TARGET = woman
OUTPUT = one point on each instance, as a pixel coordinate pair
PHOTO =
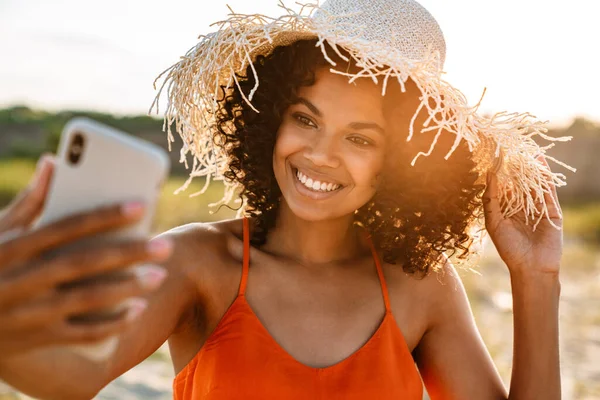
(338, 280)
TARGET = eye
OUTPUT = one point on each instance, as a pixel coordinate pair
(360, 141)
(304, 121)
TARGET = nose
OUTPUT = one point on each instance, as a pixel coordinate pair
(322, 152)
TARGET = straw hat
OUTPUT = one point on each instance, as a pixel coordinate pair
(390, 41)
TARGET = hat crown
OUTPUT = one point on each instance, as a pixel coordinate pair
(401, 25)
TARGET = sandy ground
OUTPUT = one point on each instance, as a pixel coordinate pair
(150, 380)
(491, 301)
(579, 318)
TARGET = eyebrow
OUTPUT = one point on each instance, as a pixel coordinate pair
(310, 106)
(368, 125)
(354, 125)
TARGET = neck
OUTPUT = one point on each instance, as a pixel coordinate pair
(314, 242)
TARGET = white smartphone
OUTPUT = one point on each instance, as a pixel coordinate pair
(98, 165)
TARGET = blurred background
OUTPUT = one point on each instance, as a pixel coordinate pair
(66, 58)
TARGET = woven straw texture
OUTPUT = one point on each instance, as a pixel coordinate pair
(390, 41)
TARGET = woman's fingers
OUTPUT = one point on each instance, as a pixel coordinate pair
(55, 275)
(60, 304)
(45, 274)
(492, 206)
(20, 248)
(28, 203)
(93, 333)
(62, 332)
(105, 296)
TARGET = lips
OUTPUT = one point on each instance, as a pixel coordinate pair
(315, 175)
(315, 186)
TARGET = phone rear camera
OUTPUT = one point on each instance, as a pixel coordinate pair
(76, 148)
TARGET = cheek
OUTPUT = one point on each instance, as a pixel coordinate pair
(365, 168)
(288, 141)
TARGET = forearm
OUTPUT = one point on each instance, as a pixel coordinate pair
(53, 374)
(536, 360)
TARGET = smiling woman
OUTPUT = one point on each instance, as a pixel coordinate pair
(360, 172)
(326, 134)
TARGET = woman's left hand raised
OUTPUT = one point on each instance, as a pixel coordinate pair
(522, 249)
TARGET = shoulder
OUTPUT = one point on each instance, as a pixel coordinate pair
(443, 294)
(207, 260)
(446, 294)
(204, 247)
(448, 315)
(199, 232)
(419, 303)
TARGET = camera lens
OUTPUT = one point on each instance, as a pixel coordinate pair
(76, 148)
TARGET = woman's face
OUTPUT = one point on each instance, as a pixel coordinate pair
(330, 147)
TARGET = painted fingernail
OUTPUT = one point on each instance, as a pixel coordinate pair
(43, 161)
(133, 209)
(150, 276)
(41, 167)
(159, 248)
(135, 308)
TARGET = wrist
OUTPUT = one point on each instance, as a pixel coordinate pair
(529, 271)
(528, 278)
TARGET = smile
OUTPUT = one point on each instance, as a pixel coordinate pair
(315, 185)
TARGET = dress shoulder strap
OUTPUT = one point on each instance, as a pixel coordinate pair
(384, 289)
(246, 259)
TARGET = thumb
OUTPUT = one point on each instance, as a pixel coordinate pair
(491, 202)
(27, 204)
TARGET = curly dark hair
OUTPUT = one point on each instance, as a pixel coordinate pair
(417, 213)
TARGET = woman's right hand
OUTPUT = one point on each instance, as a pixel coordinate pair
(34, 311)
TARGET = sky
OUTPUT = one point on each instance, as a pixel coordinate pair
(531, 55)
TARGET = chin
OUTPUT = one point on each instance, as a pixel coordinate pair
(313, 214)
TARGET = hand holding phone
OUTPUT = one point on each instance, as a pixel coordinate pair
(53, 285)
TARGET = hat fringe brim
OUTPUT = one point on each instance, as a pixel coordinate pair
(502, 143)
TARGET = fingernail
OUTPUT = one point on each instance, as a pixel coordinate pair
(135, 308)
(41, 167)
(42, 161)
(150, 276)
(159, 248)
(133, 209)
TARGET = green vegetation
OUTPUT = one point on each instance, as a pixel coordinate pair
(583, 221)
(174, 210)
(48, 120)
(51, 125)
(14, 176)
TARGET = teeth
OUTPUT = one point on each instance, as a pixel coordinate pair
(316, 185)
